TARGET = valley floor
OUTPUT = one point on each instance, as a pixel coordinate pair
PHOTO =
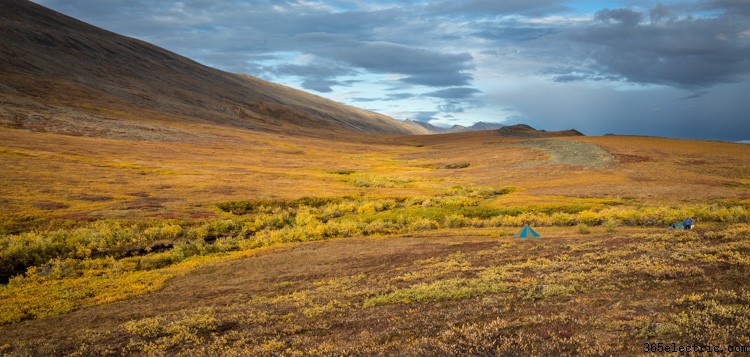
(447, 292)
(239, 242)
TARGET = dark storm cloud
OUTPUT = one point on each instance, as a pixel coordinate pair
(717, 114)
(687, 52)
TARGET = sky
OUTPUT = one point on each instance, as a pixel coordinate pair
(671, 68)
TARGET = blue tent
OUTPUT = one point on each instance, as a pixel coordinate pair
(677, 225)
(526, 232)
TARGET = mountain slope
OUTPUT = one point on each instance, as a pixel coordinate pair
(62, 75)
(456, 128)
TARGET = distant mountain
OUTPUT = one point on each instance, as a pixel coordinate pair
(484, 126)
(431, 128)
(62, 75)
(526, 131)
(456, 128)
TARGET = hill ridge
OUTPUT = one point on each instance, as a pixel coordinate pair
(526, 131)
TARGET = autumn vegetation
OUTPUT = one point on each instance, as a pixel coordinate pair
(93, 226)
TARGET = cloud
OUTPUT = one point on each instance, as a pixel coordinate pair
(453, 93)
(388, 97)
(399, 96)
(451, 106)
(493, 7)
(319, 84)
(694, 95)
(688, 52)
(661, 14)
(575, 74)
(233, 32)
(423, 116)
(420, 66)
(313, 69)
(514, 33)
(456, 99)
(318, 76)
(625, 17)
(730, 7)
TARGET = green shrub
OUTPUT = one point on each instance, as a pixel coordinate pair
(423, 224)
(611, 226)
(455, 221)
(582, 228)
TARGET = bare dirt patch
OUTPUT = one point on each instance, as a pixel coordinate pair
(569, 152)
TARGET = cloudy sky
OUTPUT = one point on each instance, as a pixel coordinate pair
(670, 68)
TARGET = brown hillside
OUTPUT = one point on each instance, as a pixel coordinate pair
(62, 75)
(525, 131)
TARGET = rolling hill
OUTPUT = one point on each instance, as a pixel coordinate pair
(526, 131)
(61, 75)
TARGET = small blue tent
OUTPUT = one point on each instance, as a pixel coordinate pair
(677, 225)
(526, 232)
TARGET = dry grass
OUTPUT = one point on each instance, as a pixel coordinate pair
(168, 179)
(445, 292)
(106, 221)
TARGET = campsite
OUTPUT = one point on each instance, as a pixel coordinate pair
(152, 205)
